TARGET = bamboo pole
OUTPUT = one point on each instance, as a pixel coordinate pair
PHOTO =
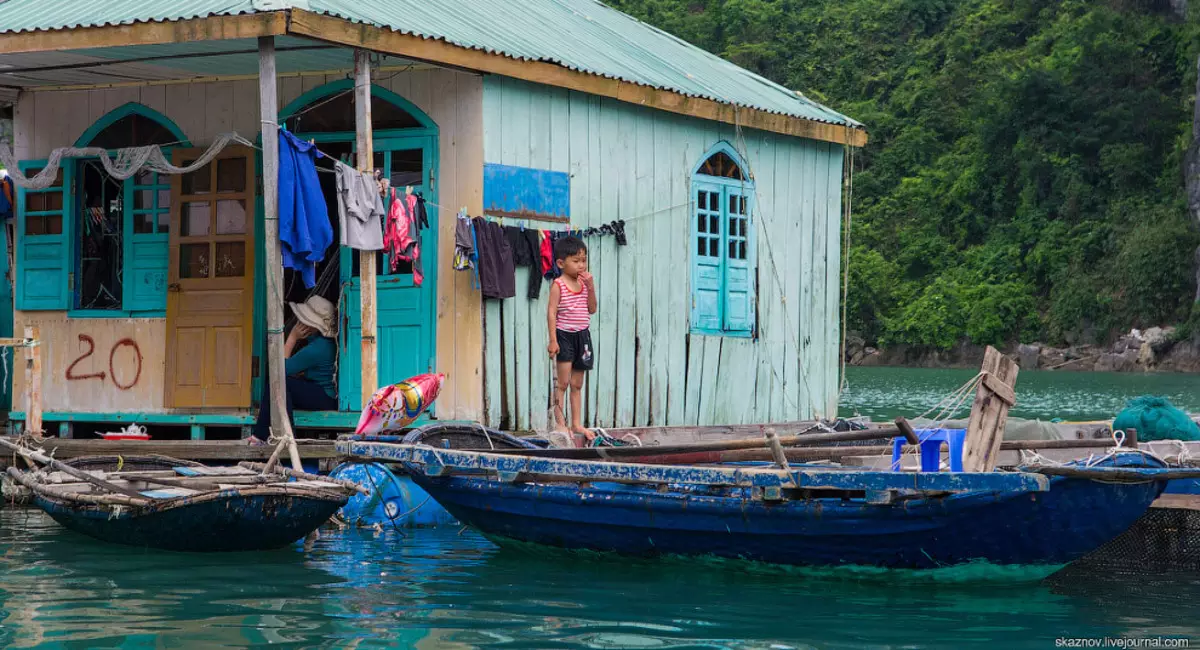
(33, 382)
(98, 499)
(366, 259)
(723, 445)
(652, 455)
(77, 473)
(269, 110)
(309, 477)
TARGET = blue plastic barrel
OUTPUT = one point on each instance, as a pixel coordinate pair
(394, 498)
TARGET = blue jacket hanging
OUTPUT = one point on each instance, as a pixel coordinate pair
(304, 228)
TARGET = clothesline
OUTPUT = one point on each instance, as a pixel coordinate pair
(568, 227)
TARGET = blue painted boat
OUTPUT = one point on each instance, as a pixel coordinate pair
(177, 505)
(807, 515)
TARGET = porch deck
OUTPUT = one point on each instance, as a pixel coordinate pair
(197, 422)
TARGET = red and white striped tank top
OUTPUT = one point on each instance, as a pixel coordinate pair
(573, 313)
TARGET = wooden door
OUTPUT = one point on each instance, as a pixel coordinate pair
(210, 291)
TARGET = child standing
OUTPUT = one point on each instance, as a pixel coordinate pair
(572, 302)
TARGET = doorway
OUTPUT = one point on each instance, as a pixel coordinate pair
(405, 152)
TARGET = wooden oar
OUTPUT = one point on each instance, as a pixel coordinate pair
(77, 473)
(723, 445)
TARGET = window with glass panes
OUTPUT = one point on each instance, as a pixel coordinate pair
(723, 276)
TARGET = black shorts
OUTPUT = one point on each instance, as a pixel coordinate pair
(576, 348)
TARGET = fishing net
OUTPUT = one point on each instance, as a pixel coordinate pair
(1155, 418)
(1164, 539)
(122, 164)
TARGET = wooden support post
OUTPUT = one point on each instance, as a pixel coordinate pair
(366, 265)
(64, 430)
(33, 382)
(993, 397)
(269, 111)
(197, 432)
(776, 449)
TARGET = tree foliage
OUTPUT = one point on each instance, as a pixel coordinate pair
(1024, 174)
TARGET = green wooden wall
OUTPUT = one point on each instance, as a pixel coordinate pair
(635, 164)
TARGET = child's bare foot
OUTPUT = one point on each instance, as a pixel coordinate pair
(586, 433)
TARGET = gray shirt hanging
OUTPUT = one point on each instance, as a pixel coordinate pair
(360, 209)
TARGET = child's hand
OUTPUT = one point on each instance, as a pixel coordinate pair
(552, 349)
(586, 278)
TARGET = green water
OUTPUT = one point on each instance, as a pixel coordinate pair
(439, 588)
(885, 393)
(450, 588)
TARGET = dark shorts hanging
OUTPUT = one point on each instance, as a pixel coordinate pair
(576, 348)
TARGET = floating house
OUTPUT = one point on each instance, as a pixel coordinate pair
(721, 307)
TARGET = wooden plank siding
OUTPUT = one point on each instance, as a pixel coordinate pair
(635, 164)
(46, 120)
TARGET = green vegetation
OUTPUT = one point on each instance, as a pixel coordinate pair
(1024, 178)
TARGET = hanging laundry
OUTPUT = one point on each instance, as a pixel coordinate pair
(304, 228)
(464, 242)
(7, 196)
(420, 214)
(526, 251)
(405, 233)
(400, 234)
(360, 208)
(497, 275)
(550, 270)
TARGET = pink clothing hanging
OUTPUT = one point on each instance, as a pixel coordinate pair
(400, 237)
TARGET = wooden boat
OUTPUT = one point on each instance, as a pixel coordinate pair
(802, 515)
(171, 504)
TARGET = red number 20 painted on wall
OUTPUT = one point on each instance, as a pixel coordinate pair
(91, 347)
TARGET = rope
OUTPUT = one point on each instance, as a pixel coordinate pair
(744, 152)
(847, 222)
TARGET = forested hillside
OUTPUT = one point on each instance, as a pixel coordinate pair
(1024, 178)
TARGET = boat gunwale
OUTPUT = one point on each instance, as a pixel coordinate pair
(435, 462)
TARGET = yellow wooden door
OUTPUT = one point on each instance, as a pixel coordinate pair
(210, 291)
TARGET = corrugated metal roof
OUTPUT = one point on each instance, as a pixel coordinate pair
(33, 15)
(582, 35)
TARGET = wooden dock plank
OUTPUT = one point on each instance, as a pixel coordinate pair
(199, 450)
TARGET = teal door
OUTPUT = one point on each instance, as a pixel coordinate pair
(405, 334)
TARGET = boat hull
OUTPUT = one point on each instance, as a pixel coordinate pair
(1039, 528)
(235, 523)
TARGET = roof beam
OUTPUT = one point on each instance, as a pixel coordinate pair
(213, 28)
(337, 30)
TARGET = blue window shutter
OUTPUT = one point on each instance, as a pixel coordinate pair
(146, 254)
(44, 259)
(739, 263)
(146, 273)
(707, 259)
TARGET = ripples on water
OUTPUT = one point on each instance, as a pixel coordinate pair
(885, 393)
(442, 588)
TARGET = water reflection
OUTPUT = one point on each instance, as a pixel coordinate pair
(449, 589)
(885, 393)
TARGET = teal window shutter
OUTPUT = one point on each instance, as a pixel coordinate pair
(739, 266)
(146, 242)
(43, 237)
(707, 259)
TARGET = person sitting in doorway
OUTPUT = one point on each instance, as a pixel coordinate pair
(310, 370)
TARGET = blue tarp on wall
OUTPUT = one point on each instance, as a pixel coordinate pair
(521, 192)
